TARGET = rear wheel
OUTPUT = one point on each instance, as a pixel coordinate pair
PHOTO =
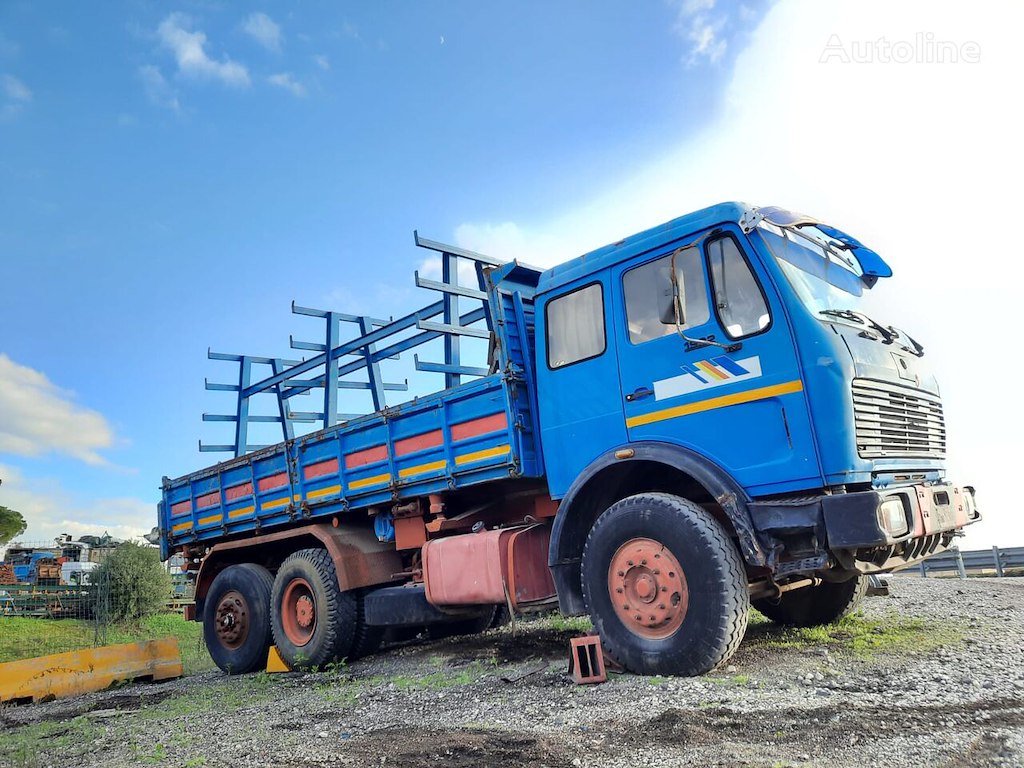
(665, 586)
(313, 621)
(812, 606)
(236, 618)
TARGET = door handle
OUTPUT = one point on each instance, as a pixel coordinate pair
(638, 393)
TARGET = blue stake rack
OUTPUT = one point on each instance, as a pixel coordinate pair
(328, 371)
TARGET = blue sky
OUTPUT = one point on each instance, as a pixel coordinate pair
(173, 175)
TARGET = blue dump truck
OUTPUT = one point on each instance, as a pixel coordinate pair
(665, 431)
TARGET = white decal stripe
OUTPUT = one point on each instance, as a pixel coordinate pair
(687, 382)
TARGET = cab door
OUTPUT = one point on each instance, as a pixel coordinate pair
(577, 372)
(707, 361)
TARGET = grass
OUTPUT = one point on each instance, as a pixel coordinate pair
(25, 637)
(21, 747)
(444, 678)
(562, 623)
(858, 634)
(231, 695)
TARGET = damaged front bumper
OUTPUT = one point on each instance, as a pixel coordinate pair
(866, 531)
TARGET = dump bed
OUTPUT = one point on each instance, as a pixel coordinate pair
(480, 431)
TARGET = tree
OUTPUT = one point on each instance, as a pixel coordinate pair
(131, 583)
(11, 524)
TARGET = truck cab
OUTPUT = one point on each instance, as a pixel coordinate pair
(725, 358)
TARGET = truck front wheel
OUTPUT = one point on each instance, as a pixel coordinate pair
(812, 606)
(236, 618)
(665, 586)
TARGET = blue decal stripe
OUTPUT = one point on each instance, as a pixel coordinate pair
(727, 364)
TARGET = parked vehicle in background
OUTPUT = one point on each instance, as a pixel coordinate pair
(695, 418)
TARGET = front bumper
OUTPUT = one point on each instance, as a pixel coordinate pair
(848, 531)
(852, 520)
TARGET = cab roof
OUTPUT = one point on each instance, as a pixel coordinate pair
(609, 255)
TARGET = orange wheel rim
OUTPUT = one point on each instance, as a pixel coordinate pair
(298, 612)
(648, 588)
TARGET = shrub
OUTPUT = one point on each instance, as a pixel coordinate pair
(131, 583)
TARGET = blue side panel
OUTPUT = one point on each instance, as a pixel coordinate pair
(474, 433)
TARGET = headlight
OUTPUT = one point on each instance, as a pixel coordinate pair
(893, 517)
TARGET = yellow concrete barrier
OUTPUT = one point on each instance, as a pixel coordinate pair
(92, 669)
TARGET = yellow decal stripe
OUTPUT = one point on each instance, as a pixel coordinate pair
(274, 504)
(490, 453)
(432, 466)
(330, 490)
(716, 402)
(211, 519)
(366, 481)
(241, 512)
(181, 527)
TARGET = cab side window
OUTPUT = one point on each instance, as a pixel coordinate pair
(648, 291)
(575, 326)
(738, 299)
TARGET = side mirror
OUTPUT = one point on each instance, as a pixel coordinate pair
(670, 296)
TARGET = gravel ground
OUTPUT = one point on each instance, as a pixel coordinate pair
(932, 675)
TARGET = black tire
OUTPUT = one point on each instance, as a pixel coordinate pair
(335, 614)
(473, 626)
(813, 606)
(368, 639)
(709, 628)
(501, 617)
(239, 593)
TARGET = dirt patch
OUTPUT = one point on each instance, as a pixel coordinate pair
(413, 748)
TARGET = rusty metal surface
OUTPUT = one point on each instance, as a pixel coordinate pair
(648, 588)
(359, 559)
(586, 660)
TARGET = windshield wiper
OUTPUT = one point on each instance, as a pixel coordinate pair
(888, 334)
(846, 314)
(917, 351)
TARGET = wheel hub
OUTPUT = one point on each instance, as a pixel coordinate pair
(647, 588)
(298, 612)
(232, 620)
(304, 611)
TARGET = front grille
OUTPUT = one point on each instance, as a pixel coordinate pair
(894, 421)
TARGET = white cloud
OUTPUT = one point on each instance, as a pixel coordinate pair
(322, 61)
(289, 83)
(919, 161)
(14, 89)
(15, 95)
(701, 27)
(37, 418)
(50, 510)
(264, 30)
(189, 50)
(158, 90)
(430, 269)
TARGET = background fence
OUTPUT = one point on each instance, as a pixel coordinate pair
(54, 600)
(998, 561)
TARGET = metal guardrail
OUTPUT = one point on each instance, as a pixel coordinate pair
(955, 560)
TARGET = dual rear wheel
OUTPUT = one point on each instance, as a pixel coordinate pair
(302, 611)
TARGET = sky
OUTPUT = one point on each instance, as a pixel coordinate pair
(174, 175)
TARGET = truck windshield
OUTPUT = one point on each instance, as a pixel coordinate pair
(825, 277)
